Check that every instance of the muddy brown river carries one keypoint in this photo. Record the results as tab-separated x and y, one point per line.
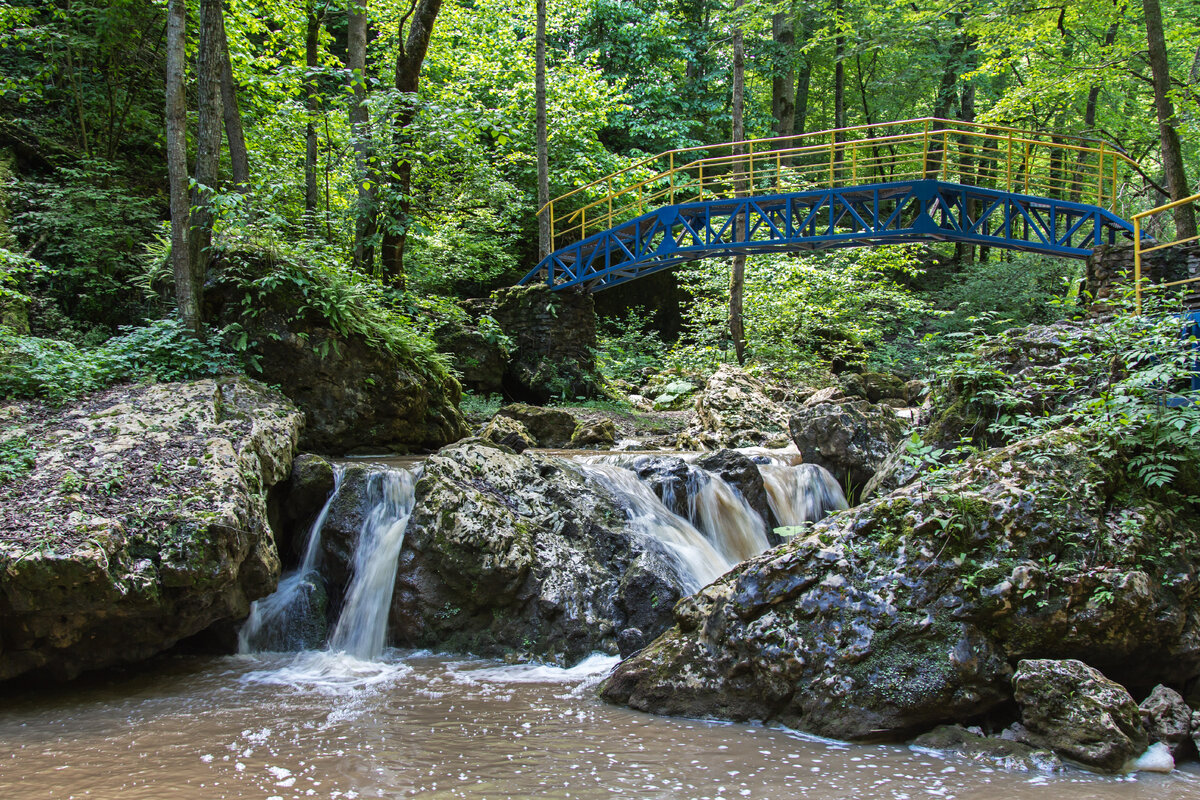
317	725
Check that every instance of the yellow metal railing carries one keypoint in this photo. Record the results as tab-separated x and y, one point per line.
1140	248
989	156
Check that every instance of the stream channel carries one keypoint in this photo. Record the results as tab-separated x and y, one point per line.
360	720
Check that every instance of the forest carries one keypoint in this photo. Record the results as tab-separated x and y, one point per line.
385	155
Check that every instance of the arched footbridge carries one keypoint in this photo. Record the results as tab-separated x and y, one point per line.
912	181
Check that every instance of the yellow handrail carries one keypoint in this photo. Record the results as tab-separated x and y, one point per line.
1139	248
995	156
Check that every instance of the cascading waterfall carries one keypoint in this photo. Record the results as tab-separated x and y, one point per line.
726	518
699	562
287	619
292	617
801	493
361	630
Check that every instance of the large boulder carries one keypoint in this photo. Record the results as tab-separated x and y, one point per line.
509	432
356	393
907	611
550	427
1078	713
852	439
1167	718
520	554
143	521
735	410
552	343
955	740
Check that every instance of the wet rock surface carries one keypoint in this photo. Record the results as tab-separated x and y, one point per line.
519	554
509	432
955	740
143	522
1167	718
550	427
908	611
852	439
1078	713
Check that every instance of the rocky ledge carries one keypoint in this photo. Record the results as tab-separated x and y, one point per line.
912	610
143	521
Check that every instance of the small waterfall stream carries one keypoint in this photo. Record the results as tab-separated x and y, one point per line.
715	528
287	619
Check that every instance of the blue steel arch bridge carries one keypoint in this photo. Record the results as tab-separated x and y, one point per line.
916	180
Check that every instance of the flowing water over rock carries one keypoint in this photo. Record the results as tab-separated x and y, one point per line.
801	493
448	727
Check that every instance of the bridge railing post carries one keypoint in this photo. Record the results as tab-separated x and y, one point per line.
610	204
671	176
1100	178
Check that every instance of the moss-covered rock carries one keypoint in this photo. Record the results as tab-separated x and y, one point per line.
144	521
735	410
908	611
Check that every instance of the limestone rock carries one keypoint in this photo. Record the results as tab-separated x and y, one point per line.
906	612
895	471
553	343
1001	753
1079	714
308	487
734	410
354	393
851	439
1167	718
882	386
550	427
508	432
516	554
601	433
143	522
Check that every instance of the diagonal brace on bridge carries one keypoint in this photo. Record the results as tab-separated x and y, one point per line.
922	210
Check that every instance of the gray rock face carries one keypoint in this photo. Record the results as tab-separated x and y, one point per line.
353	392
906	611
1001	753
553	338
550	427
850	439
894	472
601	433
735	410
519	554
1078	713
479	359
143	522
509	432
1167	718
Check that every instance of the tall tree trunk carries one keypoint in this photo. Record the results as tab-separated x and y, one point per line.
783	87
737	271
545	235
208	139
410	56
187	291
311	40
839	82
238	157
356	62
1172	151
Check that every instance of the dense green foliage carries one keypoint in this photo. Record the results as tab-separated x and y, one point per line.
59	371
82	162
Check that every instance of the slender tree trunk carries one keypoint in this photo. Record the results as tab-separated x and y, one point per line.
1172	151
187	292
737	272
839	81
803	82
545	235
208	139
311	40
783	87
356	61
410	56
238	157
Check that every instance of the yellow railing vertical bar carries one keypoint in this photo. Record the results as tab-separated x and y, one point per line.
778	173
671	175
1137	264
1100	178
751	166
832	153
1113	194
610	202
553	232
1008	166
854	162
583	223
945	156
701	181
925	152
1027	167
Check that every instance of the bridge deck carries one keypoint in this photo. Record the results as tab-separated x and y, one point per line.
921	180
